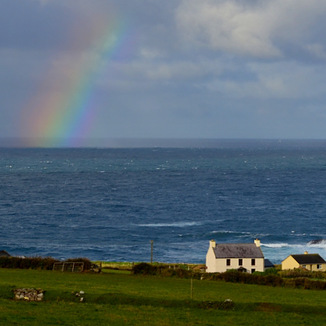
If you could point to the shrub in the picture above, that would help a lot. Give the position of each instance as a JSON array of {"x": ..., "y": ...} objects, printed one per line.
[
  {"x": 45, "y": 263},
  {"x": 314, "y": 285},
  {"x": 271, "y": 271},
  {"x": 144, "y": 269},
  {"x": 239, "y": 277},
  {"x": 273, "y": 280},
  {"x": 27, "y": 263},
  {"x": 300, "y": 272},
  {"x": 164, "y": 270}
]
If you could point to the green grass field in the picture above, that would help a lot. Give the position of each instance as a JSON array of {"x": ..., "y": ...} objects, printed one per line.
[{"x": 114, "y": 298}]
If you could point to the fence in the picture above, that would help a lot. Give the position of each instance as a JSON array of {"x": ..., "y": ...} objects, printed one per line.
[{"x": 68, "y": 266}]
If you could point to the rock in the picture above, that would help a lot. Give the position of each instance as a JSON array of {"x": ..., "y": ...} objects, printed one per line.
[{"x": 29, "y": 294}]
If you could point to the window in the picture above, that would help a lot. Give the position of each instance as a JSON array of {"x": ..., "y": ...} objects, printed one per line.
[
  {"x": 240, "y": 262},
  {"x": 253, "y": 270},
  {"x": 319, "y": 266},
  {"x": 253, "y": 261},
  {"x": 228, "y": 262}
]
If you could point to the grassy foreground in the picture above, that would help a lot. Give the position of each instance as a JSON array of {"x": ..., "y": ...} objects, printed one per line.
[{"x": 124, "y": 299}]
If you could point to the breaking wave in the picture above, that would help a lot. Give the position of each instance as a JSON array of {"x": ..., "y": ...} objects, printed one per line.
[
  {"x": 317, "y": 243},
  {"x": 281, "y": 245},
  {"x": 174, "y": 224}
]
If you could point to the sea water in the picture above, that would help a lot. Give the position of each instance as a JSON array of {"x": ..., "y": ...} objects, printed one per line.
[{"x": 108, "y": 204}]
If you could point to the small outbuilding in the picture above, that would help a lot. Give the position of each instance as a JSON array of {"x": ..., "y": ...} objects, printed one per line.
[
  {"x": 245, "y": 257},
  {"x": 268, "y": 264},
  {"x": 311, "y": 262}
]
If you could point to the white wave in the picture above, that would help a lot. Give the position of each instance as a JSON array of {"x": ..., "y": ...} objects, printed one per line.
[
  {"x": 281, "y": 245},
  {"x": 317, "y": 244},
  {"x": 230, "y": 232},
  {"x": 175, "y": 224}
]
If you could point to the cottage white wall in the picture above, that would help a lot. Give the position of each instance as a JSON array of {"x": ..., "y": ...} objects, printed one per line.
[
  {"x": 246, "y": 263},
  {"x": 260, "y": 265},
  {"x": 210, "y": 261},
  {"x": 220, "y": 265}
]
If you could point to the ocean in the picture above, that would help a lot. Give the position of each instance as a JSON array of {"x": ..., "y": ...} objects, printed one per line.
[{"x": 109, "y": 203}]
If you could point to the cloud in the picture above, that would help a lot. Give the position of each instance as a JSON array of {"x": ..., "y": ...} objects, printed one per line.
[
  {"x": 185, "y": 67},
  {"x": 260, "y": 29},
  {"x": 278, "y": 80},
  {"x": 181, "y": 70},
  {"x": 317, "y": 50}
]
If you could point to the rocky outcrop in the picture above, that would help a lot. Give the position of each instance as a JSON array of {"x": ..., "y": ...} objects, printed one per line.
[{"x": 29, "y": 294}]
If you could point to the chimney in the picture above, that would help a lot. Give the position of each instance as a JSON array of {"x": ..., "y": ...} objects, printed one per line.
[
  {"x": 212, "y": 244},
  {"x": 257, "y": 242}
]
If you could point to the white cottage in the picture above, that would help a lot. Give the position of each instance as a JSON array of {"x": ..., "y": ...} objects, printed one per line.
[{"x": 246, "y": 257}]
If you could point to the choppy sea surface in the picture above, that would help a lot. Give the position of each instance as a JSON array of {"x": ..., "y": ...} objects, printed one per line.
[{"x": 108, "y": 204}]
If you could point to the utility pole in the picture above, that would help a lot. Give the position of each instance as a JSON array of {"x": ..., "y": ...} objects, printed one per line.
[{"x": 152, "y": 245}]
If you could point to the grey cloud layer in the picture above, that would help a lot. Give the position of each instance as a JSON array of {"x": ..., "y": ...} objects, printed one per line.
[
  {"x": 208, "y": 68},
  {"x": 262, "y": 29}
]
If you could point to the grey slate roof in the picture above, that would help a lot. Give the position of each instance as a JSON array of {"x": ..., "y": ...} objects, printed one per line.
[
  {"x": 268, "y": 263},
  {"x": 309, "y": 259},
  {"x": 237, "y": 250}
]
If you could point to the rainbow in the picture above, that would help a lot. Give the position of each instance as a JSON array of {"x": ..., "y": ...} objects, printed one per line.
[{"x": 64, "y": 109}]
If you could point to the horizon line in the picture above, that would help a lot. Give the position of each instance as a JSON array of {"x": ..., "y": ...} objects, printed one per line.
[{"x": 138, "y": 142}]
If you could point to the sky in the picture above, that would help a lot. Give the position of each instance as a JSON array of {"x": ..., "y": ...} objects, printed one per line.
[{"x": 83, "y": 72}]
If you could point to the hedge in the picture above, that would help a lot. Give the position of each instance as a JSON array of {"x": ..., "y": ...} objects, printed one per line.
[
  {"x": 269, "y": 278},
  {"x": 43, "y": 263}
]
